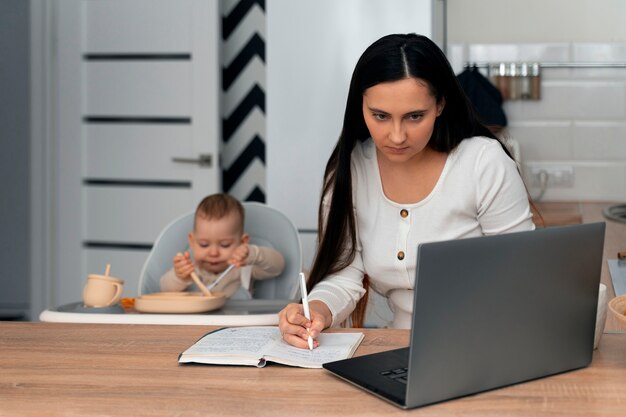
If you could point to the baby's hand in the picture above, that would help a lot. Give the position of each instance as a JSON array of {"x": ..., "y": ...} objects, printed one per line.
[
  {"x": 240, "y": 255},
  {"x": 183, "y": 267}
]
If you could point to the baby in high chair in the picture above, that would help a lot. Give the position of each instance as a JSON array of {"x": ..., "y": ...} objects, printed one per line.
[{"x": 218, "y": 241}]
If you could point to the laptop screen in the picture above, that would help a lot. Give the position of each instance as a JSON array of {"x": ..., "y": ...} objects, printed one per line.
[{"x": 490, "y": 312}]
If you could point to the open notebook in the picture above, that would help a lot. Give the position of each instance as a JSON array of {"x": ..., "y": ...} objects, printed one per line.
[{"x": 255, "y": 346}]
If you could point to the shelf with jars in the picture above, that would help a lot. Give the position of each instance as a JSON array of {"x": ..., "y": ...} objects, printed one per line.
[{"x": 522, "y": 80}]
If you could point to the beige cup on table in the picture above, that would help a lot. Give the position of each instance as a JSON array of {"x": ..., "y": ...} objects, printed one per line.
[{"x": 102, "y": 290}]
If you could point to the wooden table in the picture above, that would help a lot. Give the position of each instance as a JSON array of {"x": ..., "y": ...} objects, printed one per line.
[{"x": 60, "y": 369}]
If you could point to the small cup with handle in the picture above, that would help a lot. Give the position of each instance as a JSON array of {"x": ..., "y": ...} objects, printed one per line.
[{"x": 102, "y": 290}]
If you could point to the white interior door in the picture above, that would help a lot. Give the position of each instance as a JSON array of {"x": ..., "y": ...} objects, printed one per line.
[{"x": 137, "y": 131}]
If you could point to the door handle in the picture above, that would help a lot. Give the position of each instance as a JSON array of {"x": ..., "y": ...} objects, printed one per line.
[{"x": 204, "y": 160}]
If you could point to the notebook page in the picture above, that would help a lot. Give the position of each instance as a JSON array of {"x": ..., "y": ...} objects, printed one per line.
[
  {"x": 333, "y": 347},
  {"x": 247, "y": 341}
]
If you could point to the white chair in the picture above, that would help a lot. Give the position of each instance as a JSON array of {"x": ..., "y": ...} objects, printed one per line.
[{"x": 266, "y": 227}]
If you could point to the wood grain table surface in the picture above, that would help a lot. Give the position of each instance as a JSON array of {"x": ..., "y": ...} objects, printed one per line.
[{"x": 64, "y": 369}]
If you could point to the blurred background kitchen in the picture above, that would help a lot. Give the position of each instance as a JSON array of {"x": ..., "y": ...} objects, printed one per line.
[{"x": 116, "y": 116}]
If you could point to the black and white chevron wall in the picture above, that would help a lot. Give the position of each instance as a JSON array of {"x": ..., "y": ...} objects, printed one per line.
[{"x": 243, "y": 98}]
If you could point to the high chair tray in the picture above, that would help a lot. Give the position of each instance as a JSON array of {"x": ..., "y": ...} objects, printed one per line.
[
  {"x": 235, "y": 312},
  {"x": 79, "y": 307}
]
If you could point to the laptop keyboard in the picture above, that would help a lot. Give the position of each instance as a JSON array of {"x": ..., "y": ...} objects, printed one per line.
[{"x": 398, "y": 374}]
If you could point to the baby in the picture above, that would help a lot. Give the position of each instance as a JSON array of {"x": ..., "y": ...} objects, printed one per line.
[{"x": 217, "y": 241}]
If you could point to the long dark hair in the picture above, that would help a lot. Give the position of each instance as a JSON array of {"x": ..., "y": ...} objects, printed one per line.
[{"x": 391, "y": 58}]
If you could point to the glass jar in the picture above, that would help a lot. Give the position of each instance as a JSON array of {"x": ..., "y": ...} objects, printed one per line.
[{"x": 535, "y": 81}]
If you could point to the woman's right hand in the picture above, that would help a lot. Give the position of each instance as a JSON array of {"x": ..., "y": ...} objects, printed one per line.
[
  {"x": 293, "y": 324},
  {"x": 183, "y": 267}
]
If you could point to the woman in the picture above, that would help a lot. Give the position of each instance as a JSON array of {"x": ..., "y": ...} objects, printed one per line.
[{"x": 413, "y": 164}]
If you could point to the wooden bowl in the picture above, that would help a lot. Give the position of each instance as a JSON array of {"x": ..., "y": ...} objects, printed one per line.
[
  {"x": 617, "y": 306},
  {"x": 181, "y": 303}
]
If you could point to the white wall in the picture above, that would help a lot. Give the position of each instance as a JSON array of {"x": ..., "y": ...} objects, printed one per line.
[
  {"x": 312, "y": 47},
  {"x": 497, "y": 21},
  {"x": 580, "y": 121}
]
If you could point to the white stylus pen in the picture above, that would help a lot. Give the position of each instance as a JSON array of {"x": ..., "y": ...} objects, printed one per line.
[{"x": 305, "y": 305}]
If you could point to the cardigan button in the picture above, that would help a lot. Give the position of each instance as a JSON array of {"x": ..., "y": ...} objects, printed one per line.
[
  {"x": 400, "y": 255},
  {"x": 404, "y": 213}
]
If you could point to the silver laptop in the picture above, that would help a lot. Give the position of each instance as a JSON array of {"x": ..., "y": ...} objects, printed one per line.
[{"x": 490, "y": 312}]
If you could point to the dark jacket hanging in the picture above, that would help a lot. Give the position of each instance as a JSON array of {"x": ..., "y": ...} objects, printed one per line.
[{"x": 485, "y": 97}]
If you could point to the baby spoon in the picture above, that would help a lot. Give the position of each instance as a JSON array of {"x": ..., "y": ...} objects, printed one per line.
[
  {"x": 226, "y": 271},
  {"x": 200, "y": 284}
]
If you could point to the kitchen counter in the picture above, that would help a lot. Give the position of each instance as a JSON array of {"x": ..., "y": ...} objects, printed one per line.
[
  {"x": 559, "y": 214},
  {"x": 562, "y": 213}
]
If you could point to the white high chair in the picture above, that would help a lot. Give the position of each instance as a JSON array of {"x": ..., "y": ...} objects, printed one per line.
[{"x": 265, "y": 225}]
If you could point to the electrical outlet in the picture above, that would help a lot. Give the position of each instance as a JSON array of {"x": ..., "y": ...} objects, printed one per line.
[{"x": 558, "y": 175}]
